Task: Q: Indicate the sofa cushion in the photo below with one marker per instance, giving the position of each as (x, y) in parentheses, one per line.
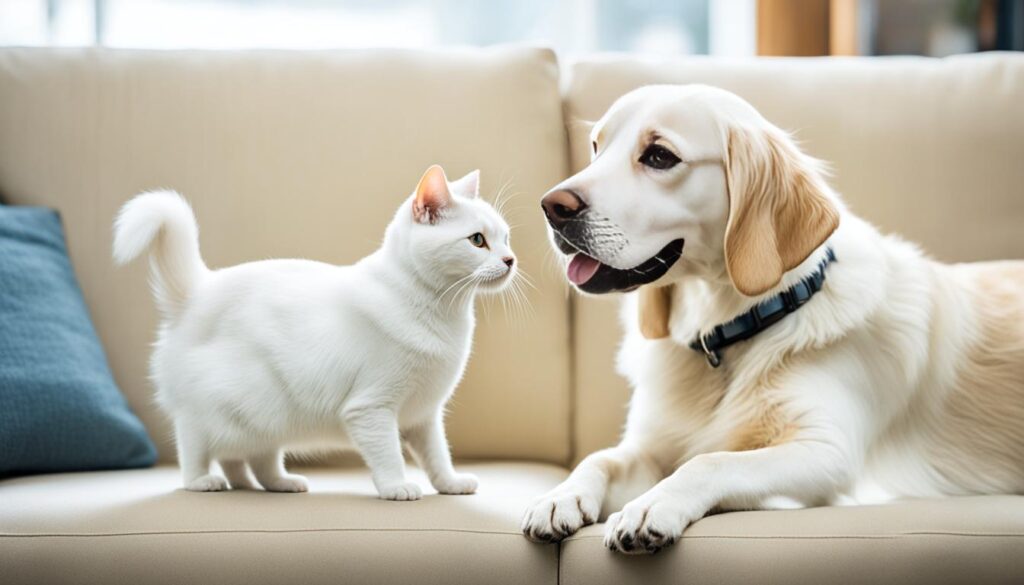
(971, 540)
(139, 527)
(300, 154)
(928, 148)
(59, 407)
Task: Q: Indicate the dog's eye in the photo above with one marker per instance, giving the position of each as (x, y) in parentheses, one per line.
(478, 240)
(659, 157)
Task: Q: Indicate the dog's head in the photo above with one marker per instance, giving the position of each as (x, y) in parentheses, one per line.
(687, 180)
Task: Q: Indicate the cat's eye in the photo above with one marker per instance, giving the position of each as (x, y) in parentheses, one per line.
(478, 240)
(593, 145)
(659, 158)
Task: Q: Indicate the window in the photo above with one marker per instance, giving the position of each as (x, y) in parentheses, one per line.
(571, 26)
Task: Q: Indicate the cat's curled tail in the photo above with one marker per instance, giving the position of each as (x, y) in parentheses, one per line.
(163, 223)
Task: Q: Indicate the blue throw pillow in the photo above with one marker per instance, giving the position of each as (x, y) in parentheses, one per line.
(60, 409)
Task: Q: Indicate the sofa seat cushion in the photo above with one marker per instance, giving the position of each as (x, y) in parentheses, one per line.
(975, 540)
(140, 527)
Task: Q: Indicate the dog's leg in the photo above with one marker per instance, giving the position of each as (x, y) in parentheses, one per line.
(578, 500)
(802, 469)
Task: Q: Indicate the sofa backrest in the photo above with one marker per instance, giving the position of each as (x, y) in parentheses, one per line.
(299, 154)
(306, 154)
(930, 148)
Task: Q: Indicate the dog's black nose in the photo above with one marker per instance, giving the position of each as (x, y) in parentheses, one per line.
(561, 206)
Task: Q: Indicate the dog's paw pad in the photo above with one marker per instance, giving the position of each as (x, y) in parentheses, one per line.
(555, 516)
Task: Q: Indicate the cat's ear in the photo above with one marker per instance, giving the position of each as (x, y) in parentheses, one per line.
(468, 186)
(432, 196)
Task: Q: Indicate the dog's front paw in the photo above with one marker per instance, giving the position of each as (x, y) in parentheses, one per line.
(646, 525)
(457, 484)
(558, 514)
(401, 492)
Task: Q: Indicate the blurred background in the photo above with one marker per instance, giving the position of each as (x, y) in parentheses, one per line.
(715, 27)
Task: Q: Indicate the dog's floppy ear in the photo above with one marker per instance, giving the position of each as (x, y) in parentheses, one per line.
(778, 210)
(655, 307)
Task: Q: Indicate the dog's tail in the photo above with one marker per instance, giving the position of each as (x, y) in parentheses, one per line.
(163, 223)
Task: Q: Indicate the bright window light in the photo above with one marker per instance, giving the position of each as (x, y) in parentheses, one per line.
(570, 26)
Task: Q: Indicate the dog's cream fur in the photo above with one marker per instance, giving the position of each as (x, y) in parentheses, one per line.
(903, 377)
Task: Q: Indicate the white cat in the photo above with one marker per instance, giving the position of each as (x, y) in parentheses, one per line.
(277, 355)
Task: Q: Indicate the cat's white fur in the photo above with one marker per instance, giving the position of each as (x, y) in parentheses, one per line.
(291, 355)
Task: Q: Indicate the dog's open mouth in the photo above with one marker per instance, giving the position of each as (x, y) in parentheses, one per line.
(591, 276)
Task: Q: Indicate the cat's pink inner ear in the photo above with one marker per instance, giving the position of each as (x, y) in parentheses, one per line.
(468, 186)
(432, 195)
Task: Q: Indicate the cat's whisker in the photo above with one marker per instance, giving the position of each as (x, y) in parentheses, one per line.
(509, 199)
(515, 301)
(441, 296)
(470, 288)
(487, 311)
(524, 296)
(508, 196)
(462, 284)
(499, 203)
(504, 303)
(527, 279)
(463, 287)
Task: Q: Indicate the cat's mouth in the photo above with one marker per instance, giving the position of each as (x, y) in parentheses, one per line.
(591, 276)
(497, 282)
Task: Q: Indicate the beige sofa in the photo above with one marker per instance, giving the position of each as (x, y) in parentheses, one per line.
(308, 153)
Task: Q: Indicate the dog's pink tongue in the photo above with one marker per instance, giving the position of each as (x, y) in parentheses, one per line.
(581, 268)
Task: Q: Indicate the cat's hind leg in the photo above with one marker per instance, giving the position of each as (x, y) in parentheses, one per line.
(237, 473)
(194, 459)
(270, 472)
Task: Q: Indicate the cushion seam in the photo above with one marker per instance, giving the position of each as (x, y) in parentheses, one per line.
(831, 536)
(247, 531)
(497, 533)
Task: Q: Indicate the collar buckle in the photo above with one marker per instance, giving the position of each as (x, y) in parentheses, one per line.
(712, 356)
(761, 316)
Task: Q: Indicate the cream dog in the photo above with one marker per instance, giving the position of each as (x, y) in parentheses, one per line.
(869, 371)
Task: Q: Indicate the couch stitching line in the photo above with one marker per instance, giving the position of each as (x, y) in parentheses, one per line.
(497, 533)
(250, 531)
(830, 537)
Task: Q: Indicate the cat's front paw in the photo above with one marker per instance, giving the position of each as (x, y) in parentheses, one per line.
(457, 484)
(287, 483)
(401, 492)
(208, 483)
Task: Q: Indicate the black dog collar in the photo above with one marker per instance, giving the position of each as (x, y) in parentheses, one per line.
(761, 317)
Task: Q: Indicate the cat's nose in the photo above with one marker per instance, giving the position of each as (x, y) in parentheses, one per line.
(561, 206)
(509, 261)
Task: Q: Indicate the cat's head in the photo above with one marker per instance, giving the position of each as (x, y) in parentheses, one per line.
(452, 237)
